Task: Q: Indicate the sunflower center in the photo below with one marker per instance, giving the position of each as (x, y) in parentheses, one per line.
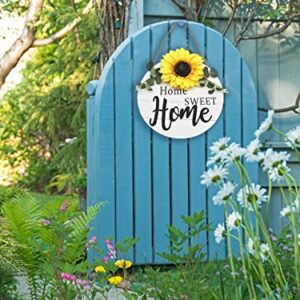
(182, 69)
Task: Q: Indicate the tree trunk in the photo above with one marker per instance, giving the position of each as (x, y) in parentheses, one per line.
(82, 199)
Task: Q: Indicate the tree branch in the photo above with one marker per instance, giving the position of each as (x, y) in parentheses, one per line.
(12, 56)
(179, 4)
(28, 40)
(270, 33)
(247, 24)
(230, 20)
(293, 108)
(64, 31)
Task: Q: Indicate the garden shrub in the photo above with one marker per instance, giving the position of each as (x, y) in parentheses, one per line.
(42, 241)
(47, 242)
(8, 283)
(7, 193)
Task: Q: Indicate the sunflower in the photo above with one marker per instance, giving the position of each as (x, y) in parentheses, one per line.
(182, 69)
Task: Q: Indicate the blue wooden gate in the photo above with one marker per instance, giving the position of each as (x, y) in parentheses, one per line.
(149, 180)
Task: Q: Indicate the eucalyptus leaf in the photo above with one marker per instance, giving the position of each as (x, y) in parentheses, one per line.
(158, 80)
(213, 72)
(153, 72)
(206, 72)
(157, 72)
(210, 85)
(150, 81)
(149, 65)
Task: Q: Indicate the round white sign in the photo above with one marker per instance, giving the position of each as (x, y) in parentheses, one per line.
(178, 113)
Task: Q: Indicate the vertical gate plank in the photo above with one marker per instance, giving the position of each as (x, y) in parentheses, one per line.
(232, 109)
(103, 155)
(90, 120)
(179, 153)
(142, 156)
(123, 139)
(197, 145)
(214, 55)
(161, 170)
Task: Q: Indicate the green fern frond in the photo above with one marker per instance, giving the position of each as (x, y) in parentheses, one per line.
(80, 224)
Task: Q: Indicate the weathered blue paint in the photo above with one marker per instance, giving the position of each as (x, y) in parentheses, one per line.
(179, 153)
(136, 16)
(148, 180)
(142, 155)
(214, 55)
(197, 147)
(161, 166)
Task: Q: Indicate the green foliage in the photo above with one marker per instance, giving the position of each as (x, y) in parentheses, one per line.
(8, 193)
(42, 120)
(42, 240)
(8, 283)
(189, 280)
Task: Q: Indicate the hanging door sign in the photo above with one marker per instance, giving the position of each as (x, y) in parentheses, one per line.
(181, 97)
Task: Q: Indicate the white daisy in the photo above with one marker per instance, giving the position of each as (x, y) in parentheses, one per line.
(293, 137)
(252, 151)
(277, 174)
(224, 193)
(220, 145)
(276, 164)
(273, 159)
(249, 195)
(213, 175)
(261, 157)
(217, 158)
(219, 233)
(235, 152)
(265, 125)
(251, 246)
(264, 251)
(286, 211)
(71, 140)
(233, 220)
(296, 204)
(299, 239)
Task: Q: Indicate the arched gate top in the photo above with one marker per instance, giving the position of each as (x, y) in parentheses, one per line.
(149, 180)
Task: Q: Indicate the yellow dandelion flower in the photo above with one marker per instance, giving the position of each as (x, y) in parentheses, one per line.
(123, 264)
(115, 280)
(100, 269)
(181, 69)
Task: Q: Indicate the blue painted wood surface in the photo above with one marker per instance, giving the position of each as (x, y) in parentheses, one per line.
(148, 180)
(142, 153)
(161, 167)
(179, 153)
(197, 146)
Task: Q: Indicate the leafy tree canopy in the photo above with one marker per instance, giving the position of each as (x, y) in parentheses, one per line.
(42, 120)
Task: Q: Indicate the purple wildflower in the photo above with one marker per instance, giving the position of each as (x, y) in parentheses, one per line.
(45, 222)
(112, 253)
(65, 206)
(92, 240)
